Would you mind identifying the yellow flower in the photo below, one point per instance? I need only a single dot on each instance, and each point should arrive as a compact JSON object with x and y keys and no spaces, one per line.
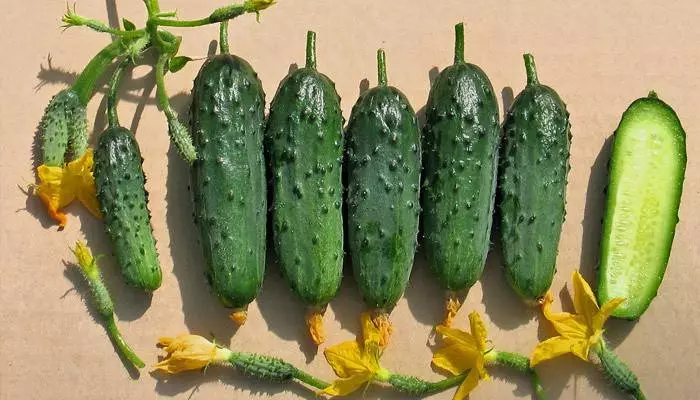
{"x":463,"y":351}
{"x":59,"y":186}
{"x":85,"y":259}
{"x":356,"y":362}
{"x":189,"y":352}
{"x":579,"y":332}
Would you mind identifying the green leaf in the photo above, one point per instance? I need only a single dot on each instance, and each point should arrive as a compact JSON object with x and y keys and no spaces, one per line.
{"x":128,"y":25}
{"x":177,"y":63}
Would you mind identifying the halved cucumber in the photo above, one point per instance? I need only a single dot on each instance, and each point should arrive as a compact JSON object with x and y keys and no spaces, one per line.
{"x":647,"y":168}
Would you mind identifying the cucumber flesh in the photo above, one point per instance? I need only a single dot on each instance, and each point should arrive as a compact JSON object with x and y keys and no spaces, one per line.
{"x":647,"y":169}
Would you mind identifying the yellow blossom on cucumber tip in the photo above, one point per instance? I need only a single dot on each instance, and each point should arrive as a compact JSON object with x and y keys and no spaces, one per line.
{"x":189,"y":352}
{"x":356,"y":362}
{"x":59,"y":186}
{"x":314,"y":320}
{"x":85,"y":259}
{"x":462,"y":352}
{"x":579,"y":332}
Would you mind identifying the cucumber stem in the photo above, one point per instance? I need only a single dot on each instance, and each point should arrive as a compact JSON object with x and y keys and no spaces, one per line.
{"x":121,"y":345}
{"x":113,"y":92}
{"x":223,"y":37}
{"x":84,"y":86}
{"x":459,"y":43}
{"x":530,"y":70}
{"x":309,"y":379}
{"x":381,"y":67}
{"x":311,"y":49}
{"x":521,"y":364}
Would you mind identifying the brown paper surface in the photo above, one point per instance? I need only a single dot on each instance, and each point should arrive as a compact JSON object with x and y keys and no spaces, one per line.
{"x":599,"y":56}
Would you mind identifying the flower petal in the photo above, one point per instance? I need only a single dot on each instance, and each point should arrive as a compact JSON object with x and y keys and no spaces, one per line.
{"x":478,"y":331}
{"x":566,"y":324}
{"x":604,"y":313}
{"x":470,"y":382}
{"x":346,"y":359}
{"x":345,"y":386}
{"x":370,"y":332}
{"x":457,"y":336}
{"x":455,"y":358}
{"x":585,"y":302}
{"x":551,"y":348}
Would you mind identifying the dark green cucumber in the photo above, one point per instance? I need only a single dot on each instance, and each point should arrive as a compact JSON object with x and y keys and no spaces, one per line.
{"x":647,"y":170}
{"x":384,"y":161}
{"x":228,"y":178}
{"x":305,"y":132}
{"x":532,"y":185}
{"x":63,"y":129}
{"x":119,"y":180}
{"x":460,"y":153}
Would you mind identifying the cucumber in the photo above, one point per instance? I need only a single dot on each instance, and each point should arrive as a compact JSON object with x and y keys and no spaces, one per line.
{"x":228,"y":179}
{"x":461,"y":137}
{"x":384,"y":161}
{"x":532,"y":185}
{"x":305,"y":133}
{"x":63,"y":129}
{"x":119,"y":181}
{"x":647,"y":169}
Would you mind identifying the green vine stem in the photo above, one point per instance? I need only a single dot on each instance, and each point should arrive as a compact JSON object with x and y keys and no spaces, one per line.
{"x":618,"y":373}
{"x":531,"y":70}
{"x":311,"y":50}
{"x":381,"y":68}
{"x":459,"y":43}
{"x":113,"y":92}
{"x":223,"y":37}
{"x":179,"y":134}
{"x":521,"y":364}
{"x":84,"y":86}
{"x":219,"y":15}
{"x":71,"y":19}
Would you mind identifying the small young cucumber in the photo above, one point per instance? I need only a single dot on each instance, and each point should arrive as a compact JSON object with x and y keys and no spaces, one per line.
{"x":119,"y":180}
{"x":647,"y":170}
{"x":228,"y":179}
{"x":305,"y":133}
{"x":384,"y":161}
{"x":532,"y":185}
{"x":460,"y":161}
{"x":63,"y":129}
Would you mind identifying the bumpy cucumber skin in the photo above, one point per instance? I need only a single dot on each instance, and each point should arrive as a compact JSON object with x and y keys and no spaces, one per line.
{"x":228,"y":178}
{"x":119,"y":180}
{"x":532,"y":188}
{"x":384,"y":161}
{"x":647,"y":256}
{"x":63,"y":128}
{"x":460,"y":153}
{"x":305,"y":132}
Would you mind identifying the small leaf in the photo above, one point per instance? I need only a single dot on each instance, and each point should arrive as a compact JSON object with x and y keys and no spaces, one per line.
{"x":177,"y":63}
{"x":128,"y":25}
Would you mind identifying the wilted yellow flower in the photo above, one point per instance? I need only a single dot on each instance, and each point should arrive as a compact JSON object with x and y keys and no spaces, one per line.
{"x":59,"y":186}
{"x":463,"y":352}
{"x":356,"y":362}
{"x":85,"y":259}
{"x":579,"y":332}
{"x":189,"y":352}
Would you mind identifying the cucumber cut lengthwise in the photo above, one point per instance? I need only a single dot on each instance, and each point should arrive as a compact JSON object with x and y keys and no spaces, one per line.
{"x":647,"y":168}
{"x":305,"y":138}
{"x":460,"y":159}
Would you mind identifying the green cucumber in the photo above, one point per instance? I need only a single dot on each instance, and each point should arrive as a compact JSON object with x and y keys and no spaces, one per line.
{"x":305,"y":133}
{"x":532,"y":185}
{"x":228,"y":179}
{"x":63,"y":129}
{"x":647,"y":169}
{"x":120,"y":185}
{"x":119,"y":180}
{"x":384,"y":162}
{"x":461,"y":137}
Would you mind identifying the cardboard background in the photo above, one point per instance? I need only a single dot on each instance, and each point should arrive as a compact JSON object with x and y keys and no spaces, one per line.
{"x":598,"y":55}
